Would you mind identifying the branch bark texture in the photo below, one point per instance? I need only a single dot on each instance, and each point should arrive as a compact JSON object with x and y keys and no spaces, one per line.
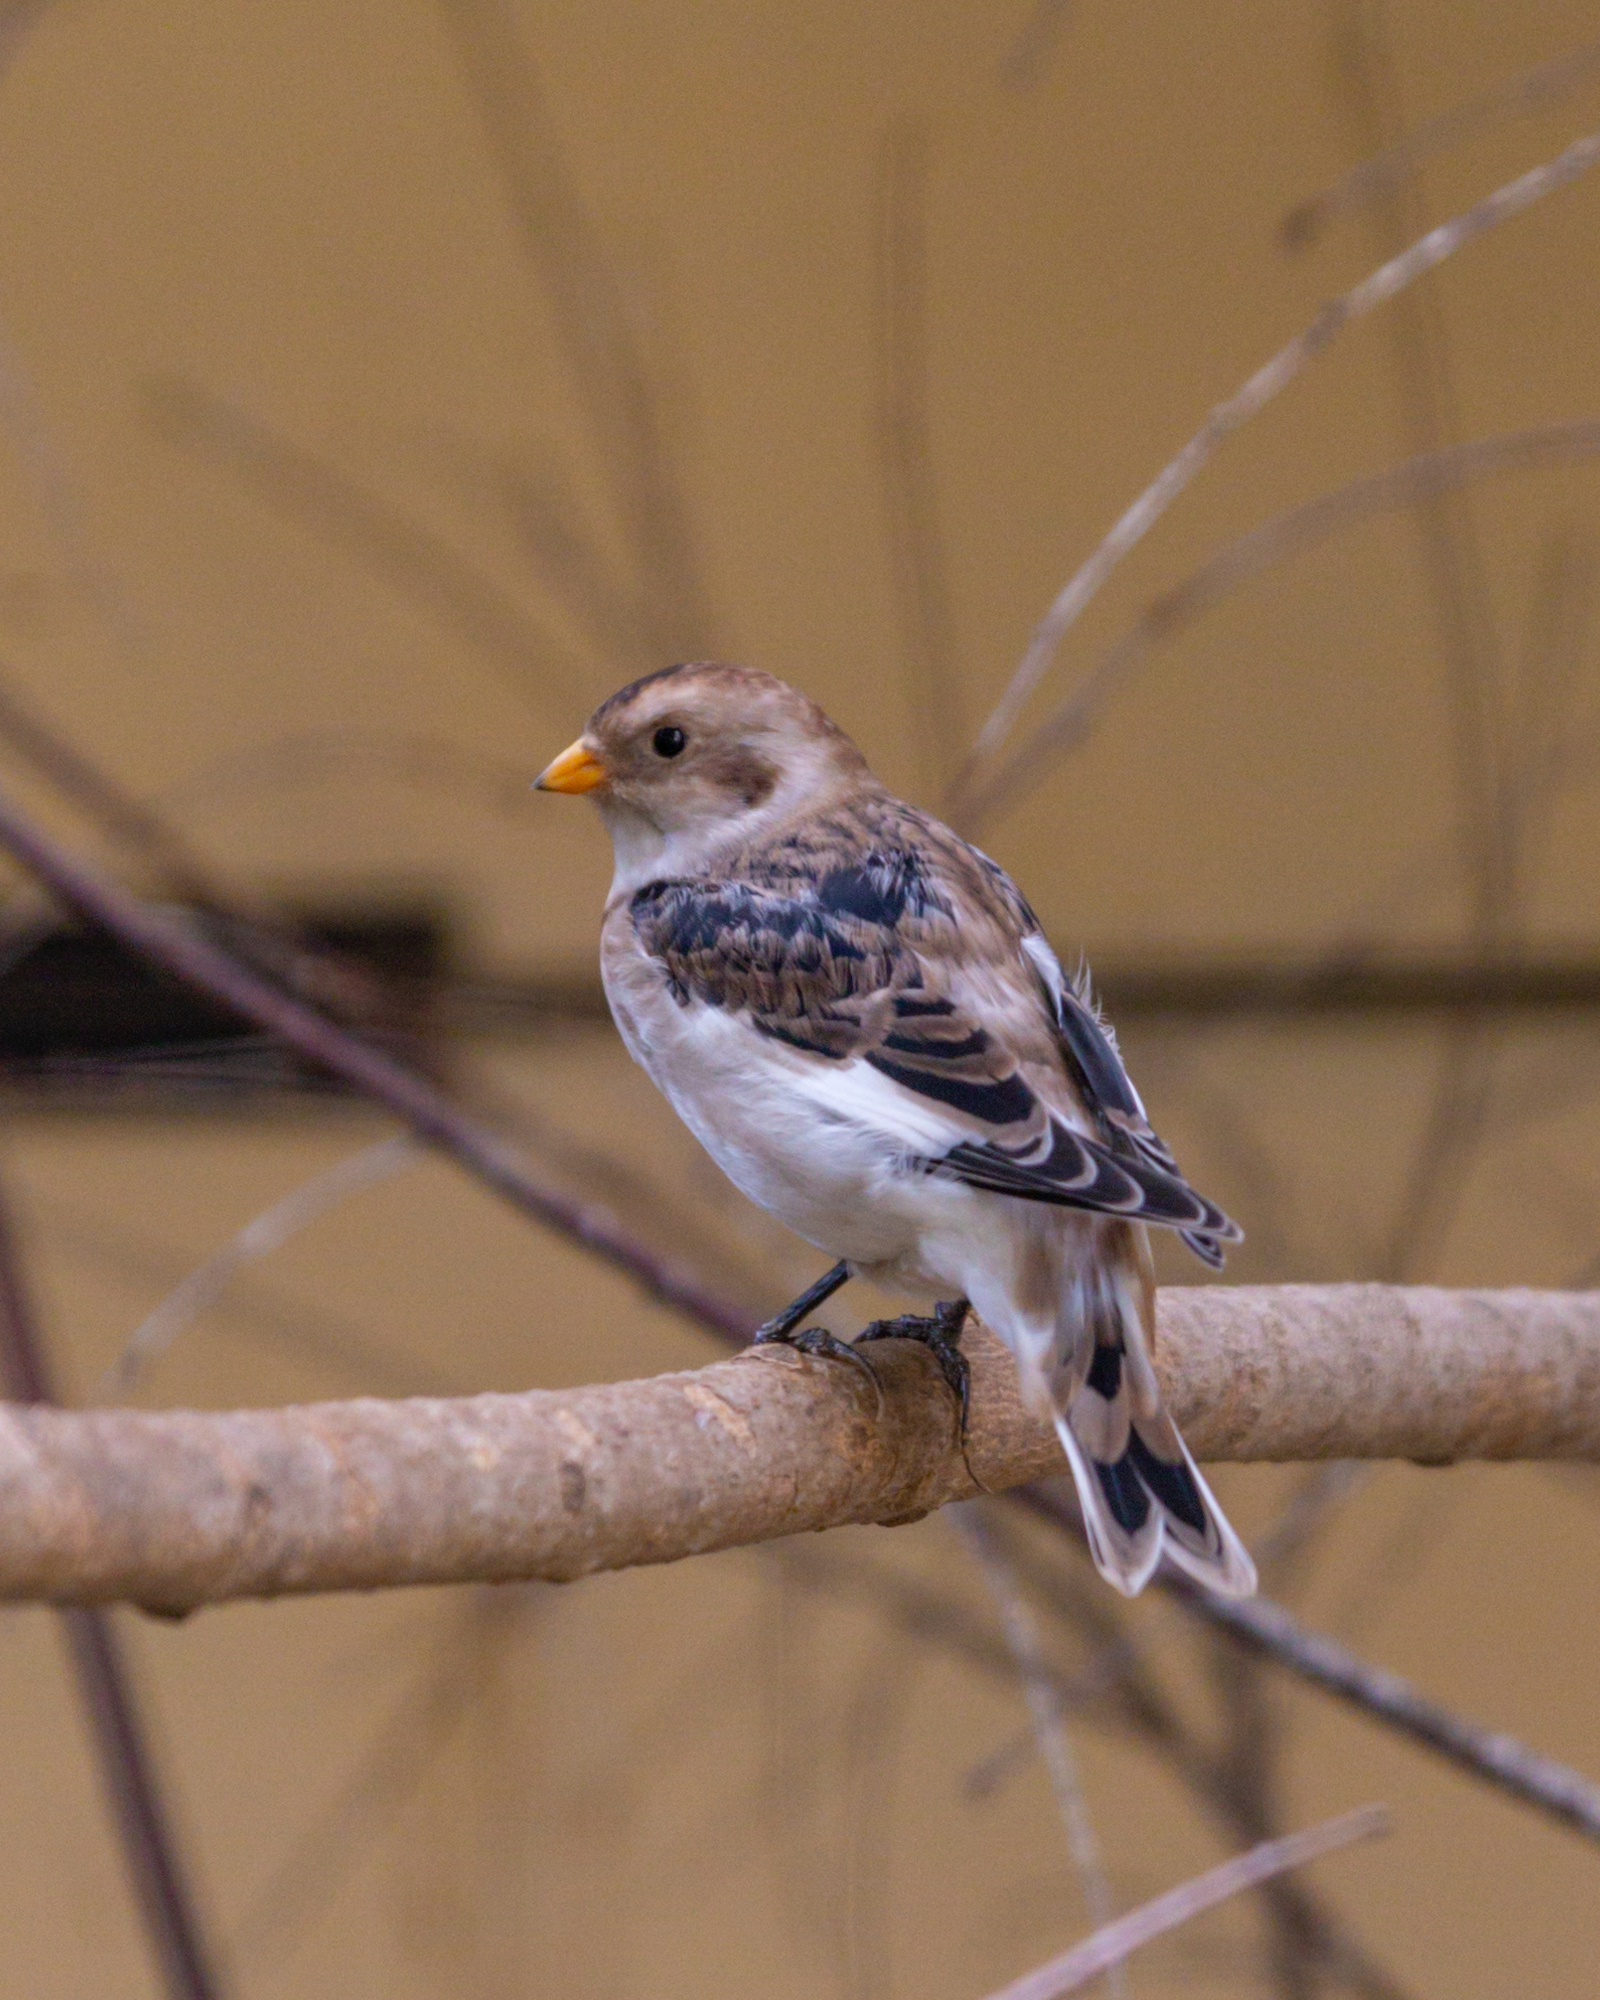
{"x":178,"y":1508}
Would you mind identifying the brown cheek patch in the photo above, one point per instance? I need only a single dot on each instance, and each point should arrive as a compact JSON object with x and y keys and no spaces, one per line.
{"x":742,"y":771}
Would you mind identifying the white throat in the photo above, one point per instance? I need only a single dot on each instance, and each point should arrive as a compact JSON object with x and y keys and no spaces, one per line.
{"x":642,"y":852}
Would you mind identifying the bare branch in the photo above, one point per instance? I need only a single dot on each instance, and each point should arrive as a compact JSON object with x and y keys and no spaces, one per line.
{"x":178,"y":1508}
{"x":1074,"y":1969}
{"x":1269,"y":1629}
{"x":1387,"y":171}
{"x":1072,"y":721}
{"x":1290,"y":361}
{"x":163,"y":1896}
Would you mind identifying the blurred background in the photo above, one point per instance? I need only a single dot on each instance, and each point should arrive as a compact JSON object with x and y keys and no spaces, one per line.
{"x":382,"y":386}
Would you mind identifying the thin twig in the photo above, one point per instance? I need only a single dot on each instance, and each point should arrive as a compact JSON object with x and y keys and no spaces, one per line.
{"x":171,"y":1920}
{"x":1290,"y":361}
{"x":267,"y":1232}
{"x":1074,"y":1969}
{"x":1469,"y":645}
{"x":1534,"y":90}
{"x":1074,"y":719}
{"x":1249,"y":1765}
{"x":1500,"y":1760}
{"x":1044,"y":1710}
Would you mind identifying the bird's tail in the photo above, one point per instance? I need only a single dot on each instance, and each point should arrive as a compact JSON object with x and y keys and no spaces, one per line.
{"x":1140,"y":1491}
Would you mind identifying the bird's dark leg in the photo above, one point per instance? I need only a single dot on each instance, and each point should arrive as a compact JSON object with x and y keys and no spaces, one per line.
{"x":783,"y":1327}
{"x":940,"y":1333}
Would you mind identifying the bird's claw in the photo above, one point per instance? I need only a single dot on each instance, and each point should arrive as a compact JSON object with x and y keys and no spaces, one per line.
{"x":940,"y":1333}
{"x":817,"y":1340}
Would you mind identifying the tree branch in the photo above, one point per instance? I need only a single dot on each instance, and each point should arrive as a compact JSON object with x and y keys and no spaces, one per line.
{"x":168,"y":942}
{"x":127,"y":1770}
{"x":1109,"y":1946}
{"x":178,"y":1508}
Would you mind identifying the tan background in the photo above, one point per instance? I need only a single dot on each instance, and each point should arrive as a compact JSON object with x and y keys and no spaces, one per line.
{"x":746,"y":1776}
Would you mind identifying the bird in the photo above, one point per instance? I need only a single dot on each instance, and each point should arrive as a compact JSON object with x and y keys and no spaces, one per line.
{"x":857,"y":1014}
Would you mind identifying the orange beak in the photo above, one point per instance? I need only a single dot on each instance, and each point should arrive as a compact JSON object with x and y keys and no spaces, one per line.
{"x":577,"y":769}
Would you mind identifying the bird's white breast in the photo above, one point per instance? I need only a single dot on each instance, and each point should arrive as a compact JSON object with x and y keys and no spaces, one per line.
{"x":777,"y":1121}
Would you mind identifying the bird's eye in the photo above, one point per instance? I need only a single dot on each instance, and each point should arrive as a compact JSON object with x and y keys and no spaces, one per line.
{"x":668,"y":742}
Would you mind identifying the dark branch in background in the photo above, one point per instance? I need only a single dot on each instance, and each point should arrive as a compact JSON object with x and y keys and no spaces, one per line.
{"x":149,"y":1852}
{"x":1265,"y":1628}
{"x":1250,"y":1755}
{"x":176,"y":866}
{"x":426,"y":1108}
{"x":1189,"y":1750}
{"x":326,"y":977}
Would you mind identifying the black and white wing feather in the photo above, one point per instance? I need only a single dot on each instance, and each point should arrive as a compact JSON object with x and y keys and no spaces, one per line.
{"x":1107,"y":1089}
{"x":865,"y":966}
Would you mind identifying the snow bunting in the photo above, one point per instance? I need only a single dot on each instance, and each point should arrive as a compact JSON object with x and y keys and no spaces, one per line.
{"x":858,"y":1016}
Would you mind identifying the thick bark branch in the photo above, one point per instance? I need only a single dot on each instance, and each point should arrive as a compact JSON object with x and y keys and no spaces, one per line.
{"x":179,"y":1508}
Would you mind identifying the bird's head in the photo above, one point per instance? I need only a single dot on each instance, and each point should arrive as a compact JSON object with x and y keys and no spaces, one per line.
{"x":697,"y":757}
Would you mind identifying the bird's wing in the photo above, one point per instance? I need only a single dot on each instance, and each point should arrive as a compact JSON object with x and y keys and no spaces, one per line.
{"x":1106,"y":1088}
{"x":918,"y":1018}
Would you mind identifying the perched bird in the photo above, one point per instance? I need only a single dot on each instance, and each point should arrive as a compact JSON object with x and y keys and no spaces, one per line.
{"x":858,"y":1016}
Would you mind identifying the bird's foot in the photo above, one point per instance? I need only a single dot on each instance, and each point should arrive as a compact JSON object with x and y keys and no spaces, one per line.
{"x":816,"y":1340}
{"x":940,"y":1333}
